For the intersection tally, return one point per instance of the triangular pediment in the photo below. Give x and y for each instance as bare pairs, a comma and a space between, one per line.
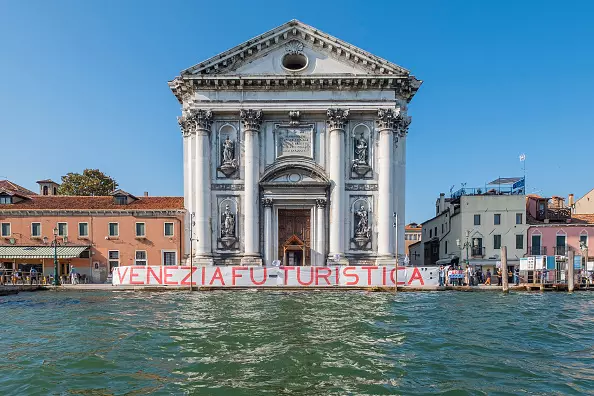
293, 241
326, 55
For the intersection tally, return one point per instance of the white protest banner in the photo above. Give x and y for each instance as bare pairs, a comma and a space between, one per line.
355, 276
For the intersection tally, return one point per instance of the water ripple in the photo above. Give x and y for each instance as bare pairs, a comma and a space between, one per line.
296, 343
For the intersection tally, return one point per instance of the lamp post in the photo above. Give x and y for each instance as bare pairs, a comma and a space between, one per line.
55, 245
464, 245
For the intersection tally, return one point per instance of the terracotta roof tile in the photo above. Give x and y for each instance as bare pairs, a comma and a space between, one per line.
583, 218
8, 185
64, 202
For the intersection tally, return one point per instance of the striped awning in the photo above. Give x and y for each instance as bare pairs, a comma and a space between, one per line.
37, 252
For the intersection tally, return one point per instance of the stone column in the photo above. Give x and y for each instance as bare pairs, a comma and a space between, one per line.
403, 121
386, 123
268, 235
335, 127
189, 134
252, 120
203, 121
505, 279
321, 231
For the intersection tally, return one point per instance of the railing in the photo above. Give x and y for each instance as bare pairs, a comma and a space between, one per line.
478, 252
554, 214
537, 250
560, 250
12, 277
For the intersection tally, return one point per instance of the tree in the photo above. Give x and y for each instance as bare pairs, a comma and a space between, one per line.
91, 182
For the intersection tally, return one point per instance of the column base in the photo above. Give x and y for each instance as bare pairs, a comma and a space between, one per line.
386, 260
251, 260
342, 261
204, 261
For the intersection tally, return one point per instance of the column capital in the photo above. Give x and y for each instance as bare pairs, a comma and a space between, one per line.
337, 118
251, 119
392, 120
267, 202
194, 121
321, 202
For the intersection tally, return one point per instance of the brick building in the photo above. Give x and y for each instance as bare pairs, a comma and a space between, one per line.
94, 234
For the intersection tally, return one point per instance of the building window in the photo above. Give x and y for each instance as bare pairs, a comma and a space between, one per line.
83, 230
114, 259
114, 229
435, 231
446, 247
519, 241
63, 229
535, 250
560, 245
584, 240
169, 229
35, 229
497, 219
45, 190
442, 228
5, 199
496, 241
140, 229
519, 218
430, 233
55, 191
6, 229
477, 219
140, 257
169, 258
120, 200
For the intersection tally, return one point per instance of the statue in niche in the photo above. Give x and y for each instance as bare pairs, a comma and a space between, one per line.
361, 151
227, 223
362, 229
361, 157
229, 163
228, 151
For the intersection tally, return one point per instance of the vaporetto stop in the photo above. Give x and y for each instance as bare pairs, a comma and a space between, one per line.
284, 276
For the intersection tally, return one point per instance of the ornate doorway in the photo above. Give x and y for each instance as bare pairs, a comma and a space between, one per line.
294, 236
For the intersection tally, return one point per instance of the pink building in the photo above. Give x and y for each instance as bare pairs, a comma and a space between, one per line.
94, 234
554, 230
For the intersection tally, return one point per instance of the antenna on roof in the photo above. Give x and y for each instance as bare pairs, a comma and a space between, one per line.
452, 188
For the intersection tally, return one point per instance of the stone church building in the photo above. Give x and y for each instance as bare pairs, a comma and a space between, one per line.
294, 147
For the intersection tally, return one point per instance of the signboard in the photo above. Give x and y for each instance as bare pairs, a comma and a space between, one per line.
363, 276
551, 262
531, 263
523, 264
590, 266
577, 262
539, 262
456, 274
294, 141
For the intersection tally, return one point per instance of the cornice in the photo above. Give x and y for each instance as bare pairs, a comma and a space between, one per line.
83, 212
183, 87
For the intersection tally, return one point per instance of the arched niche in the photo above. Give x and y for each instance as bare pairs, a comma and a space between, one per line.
361, 152
228, 151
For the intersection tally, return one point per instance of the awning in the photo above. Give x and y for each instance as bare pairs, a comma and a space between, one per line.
37, 252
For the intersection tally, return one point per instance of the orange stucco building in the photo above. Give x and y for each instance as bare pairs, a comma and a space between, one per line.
94, 234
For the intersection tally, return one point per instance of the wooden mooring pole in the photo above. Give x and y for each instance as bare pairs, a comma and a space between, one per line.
505, 279
570, 281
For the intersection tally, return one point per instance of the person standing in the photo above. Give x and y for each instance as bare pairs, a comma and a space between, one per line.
470, 275
33, 276
517, 276
2, 272
499, 277
73, 276
442, 273
488, 280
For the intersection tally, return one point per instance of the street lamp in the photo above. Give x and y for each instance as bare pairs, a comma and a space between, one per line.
465, 245
55, 245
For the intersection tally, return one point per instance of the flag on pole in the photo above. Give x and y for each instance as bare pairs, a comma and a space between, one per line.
522, 157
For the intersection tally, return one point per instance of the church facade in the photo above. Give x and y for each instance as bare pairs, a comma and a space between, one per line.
294, 147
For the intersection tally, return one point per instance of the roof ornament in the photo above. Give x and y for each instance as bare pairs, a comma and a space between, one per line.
294, 47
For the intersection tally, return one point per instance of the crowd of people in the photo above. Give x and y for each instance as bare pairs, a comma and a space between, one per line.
34, 277
457, 275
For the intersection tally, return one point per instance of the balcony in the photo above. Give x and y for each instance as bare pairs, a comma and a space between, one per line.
477, 252
560, 250
554, 214
537, 250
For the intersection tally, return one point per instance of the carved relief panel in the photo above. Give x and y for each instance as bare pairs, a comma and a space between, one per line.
361, 151
228, 151
227, 223
361, 223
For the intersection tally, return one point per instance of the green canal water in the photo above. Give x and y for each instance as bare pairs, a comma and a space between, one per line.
296, 343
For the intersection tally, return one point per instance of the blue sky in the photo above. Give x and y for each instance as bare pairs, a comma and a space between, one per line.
84, 85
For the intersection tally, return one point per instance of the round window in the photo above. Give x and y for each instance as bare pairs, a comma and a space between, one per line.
294, 62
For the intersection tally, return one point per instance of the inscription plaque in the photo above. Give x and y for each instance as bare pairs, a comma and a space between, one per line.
294, 141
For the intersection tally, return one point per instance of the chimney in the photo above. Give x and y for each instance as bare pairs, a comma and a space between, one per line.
441, 202
570, 200
146, 193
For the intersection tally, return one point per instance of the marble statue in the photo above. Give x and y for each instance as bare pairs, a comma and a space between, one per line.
361, 151
362, 229
228, 151
227, 223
